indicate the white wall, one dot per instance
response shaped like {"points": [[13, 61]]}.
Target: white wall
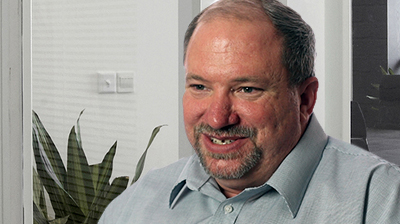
{"points": [[72, 40], [331, 22], [157, 80]]}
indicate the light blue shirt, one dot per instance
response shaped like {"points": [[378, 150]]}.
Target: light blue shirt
{"points": [[322, 180]]}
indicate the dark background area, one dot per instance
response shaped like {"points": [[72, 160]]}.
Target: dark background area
{"points": [[381, 130], [369, 53]]}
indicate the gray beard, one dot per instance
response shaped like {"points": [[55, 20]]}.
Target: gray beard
{"points": [[248, 161]]}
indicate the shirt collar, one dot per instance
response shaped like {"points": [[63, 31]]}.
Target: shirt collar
{"points": [[192, 177], [290, 179], [293, 175]]}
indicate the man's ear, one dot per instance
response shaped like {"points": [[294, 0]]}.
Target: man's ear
{"points": [[308, 96]]}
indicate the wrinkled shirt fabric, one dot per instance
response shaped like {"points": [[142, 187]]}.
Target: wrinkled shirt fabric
{"points": [[322, 180]]}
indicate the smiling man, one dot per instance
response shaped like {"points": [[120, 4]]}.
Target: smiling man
{"points": [[242, 114], [261, 156]]}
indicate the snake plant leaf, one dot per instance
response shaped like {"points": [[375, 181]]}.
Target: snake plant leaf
{"points": [[48, 177], [50, 148], [62, 202], [94, 213], [79, 177], [391, 72], [38, 217], [95, 170], [80, 193], [118, 185], [62, 220], [78, 130], [38, 193], [140, 165], [383, 71], [102, 172]]}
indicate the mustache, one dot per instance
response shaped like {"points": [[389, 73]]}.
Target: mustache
{"points": [[229, 131]]}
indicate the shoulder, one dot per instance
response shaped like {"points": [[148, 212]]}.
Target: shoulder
{"points": [[368, 183], [163, 178], [355, 157], [351, 160], [363, 171], [151, 189], [167, 175]]}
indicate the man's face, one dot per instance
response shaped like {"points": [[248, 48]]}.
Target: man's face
{"points": [[240, 114]]}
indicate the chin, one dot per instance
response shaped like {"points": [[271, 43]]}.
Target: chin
{"points": [[230, 168]]}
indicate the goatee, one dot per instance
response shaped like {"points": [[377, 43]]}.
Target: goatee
{"points": [[248, 159]]}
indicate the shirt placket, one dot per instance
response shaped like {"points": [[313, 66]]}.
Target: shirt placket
{"points": [[227, 212]]}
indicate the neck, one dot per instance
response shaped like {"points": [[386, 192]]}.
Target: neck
{"points": [[232, 187], [254, 178]]}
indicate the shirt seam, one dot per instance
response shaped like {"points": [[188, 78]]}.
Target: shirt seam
{"points": [[369, 155]]}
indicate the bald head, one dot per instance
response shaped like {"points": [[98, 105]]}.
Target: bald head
{"points": [[298, 50]]}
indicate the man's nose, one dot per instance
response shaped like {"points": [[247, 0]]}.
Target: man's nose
{"points": [[221, 112]]}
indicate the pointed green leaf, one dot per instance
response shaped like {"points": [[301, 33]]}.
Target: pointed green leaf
{"points": [[95, 169], [49, 147], [140, 165], [118, 185], [48, 177], [38, 217], [38, 193], [391, 72], [60, 220], [78, 130], [104, 170], [383, 70], [62, 202], [79, 179]]}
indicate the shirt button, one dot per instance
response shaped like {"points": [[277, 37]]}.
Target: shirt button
{"points": [[228, 209]]}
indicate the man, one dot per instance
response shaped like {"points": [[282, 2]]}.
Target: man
{"points": [[261, 156]]}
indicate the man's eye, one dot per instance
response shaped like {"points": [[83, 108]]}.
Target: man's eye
{"points": [[198, 87], [247, 89]]}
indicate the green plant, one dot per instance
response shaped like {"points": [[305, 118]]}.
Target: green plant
{"points": [[80, 192], [377, 85]]}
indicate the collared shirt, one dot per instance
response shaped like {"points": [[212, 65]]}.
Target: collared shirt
{"points": [[322, 180]]}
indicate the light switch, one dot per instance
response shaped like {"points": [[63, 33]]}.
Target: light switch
{"points": [[107, 82], [125, 82]]}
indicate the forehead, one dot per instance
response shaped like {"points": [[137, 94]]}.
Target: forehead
{"points": [[236, 28], [235, 43]]}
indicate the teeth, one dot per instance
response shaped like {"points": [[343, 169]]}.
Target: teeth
{"points": [[221, 142]]}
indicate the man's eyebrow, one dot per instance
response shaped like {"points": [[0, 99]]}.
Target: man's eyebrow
{"points": [[246, 79], [249, 79], [191, 76]]}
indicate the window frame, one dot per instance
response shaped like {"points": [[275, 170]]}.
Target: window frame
{"points": [[15, 113]]}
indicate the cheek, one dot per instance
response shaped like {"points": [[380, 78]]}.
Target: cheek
{"points": [[191, 111], [257, 115], [269, 117]]}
